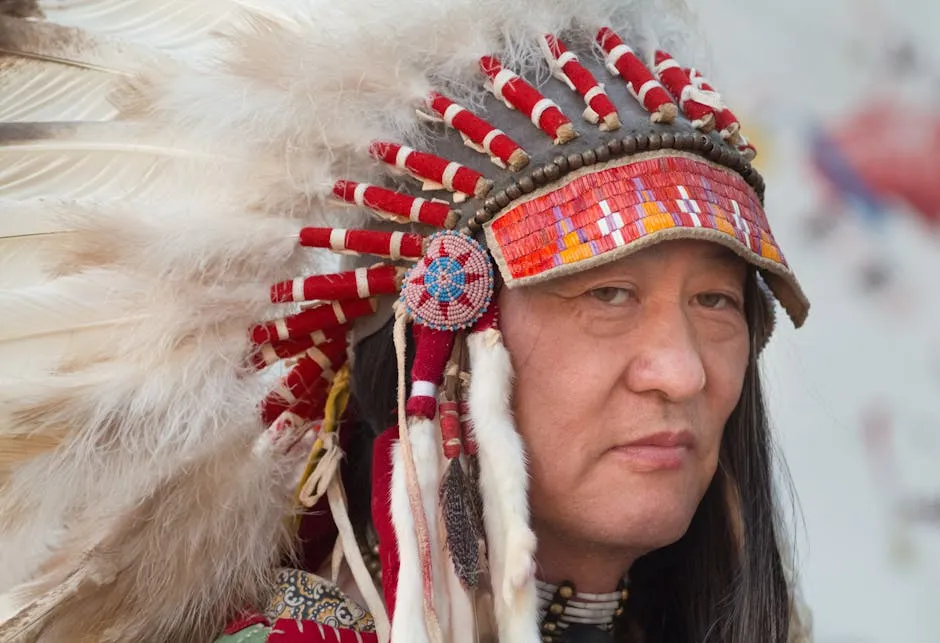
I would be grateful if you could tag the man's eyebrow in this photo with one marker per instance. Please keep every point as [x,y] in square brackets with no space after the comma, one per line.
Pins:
[724,256]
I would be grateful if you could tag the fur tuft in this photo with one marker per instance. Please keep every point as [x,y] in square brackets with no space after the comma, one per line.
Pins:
[504,483]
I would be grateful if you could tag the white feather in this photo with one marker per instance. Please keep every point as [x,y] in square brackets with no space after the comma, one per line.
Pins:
[55,73]
[178,26]
[31,234]
[35,91]
[504,485]
[101,160]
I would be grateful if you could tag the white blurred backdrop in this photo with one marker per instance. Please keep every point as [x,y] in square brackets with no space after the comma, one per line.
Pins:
[841,98]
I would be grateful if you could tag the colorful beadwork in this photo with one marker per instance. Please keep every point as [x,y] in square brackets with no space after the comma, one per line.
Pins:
[603,211]
[452,285]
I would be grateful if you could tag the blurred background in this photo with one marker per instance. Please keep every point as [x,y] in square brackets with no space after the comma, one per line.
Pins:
[842,99]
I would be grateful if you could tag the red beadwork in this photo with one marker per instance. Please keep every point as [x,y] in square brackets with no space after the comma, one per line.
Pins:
[504,151]
[609,209]
[519,94]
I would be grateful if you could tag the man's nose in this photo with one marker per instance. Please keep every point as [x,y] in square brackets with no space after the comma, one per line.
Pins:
[668,359]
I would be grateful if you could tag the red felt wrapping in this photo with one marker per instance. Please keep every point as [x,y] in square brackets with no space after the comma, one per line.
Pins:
[293,347]
[724,118]
[428,166]
[450,429]
[381,280]
[676,81]
[309,405]
[476,129]
[633,71]
[308,370]
[370,242]
[524,97]
[382,513]
[432,350]
[422,406]
[306,383]
[395,203]
[582,79]
[307,322]
[287,630]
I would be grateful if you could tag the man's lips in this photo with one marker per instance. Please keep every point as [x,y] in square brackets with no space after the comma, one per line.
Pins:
[657,451]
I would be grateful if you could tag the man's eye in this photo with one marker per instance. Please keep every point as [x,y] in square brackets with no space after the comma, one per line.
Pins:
[611,295]
[716,300]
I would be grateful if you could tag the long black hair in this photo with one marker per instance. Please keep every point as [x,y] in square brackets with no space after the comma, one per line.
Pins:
[724,580]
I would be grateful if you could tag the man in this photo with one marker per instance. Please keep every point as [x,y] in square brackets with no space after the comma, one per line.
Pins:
[578,447]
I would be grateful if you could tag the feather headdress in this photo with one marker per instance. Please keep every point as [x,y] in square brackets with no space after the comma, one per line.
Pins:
[168,170]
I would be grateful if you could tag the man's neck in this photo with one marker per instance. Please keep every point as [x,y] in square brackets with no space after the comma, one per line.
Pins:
[592,568]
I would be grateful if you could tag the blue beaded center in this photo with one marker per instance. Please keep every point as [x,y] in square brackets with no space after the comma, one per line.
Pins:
[445,279]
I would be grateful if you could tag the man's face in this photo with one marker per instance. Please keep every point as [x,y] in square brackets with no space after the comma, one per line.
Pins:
[625,377]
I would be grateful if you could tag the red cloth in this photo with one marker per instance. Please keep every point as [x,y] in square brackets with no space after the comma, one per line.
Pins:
[287,630]
[382,513]
[244,621]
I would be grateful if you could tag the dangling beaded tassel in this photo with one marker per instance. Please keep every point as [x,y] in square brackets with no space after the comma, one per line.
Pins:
[464,537]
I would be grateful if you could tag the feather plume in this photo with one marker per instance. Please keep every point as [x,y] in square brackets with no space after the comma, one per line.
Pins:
[136,251]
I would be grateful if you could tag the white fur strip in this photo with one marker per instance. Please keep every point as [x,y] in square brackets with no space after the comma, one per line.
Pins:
[504,485]
[408,623]
[408,619]
[429,465]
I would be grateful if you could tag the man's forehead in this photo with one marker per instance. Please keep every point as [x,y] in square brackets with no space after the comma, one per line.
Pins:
[705,254]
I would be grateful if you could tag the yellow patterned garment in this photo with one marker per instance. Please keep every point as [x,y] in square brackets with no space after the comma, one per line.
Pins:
[303,596]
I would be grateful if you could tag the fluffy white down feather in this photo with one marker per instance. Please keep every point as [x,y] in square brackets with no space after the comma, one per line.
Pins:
[137,246]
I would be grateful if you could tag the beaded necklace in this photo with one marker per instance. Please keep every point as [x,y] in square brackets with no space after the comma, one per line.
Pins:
[563,608]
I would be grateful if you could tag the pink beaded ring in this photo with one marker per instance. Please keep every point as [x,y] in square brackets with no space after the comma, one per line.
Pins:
[452,285]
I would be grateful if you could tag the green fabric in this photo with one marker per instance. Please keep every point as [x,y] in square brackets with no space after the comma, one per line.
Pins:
[253,634]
